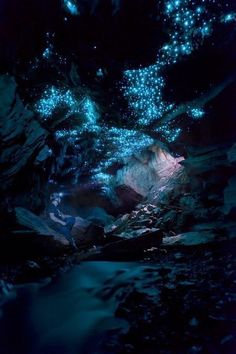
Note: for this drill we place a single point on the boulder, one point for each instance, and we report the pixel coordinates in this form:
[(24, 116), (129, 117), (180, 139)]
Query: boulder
[(84, 232), (148, 169)]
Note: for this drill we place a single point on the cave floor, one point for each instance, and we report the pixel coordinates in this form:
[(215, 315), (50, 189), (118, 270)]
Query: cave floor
[(178, 300)]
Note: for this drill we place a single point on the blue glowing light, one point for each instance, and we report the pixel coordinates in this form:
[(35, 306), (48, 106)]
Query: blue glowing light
[(55, 98), (229, 17), (102, 177), (66, 133), (90, 111), (99, 73), (71, 6), (188, 23), (120, 143), (169, 132), (47, 52), (196, 113)]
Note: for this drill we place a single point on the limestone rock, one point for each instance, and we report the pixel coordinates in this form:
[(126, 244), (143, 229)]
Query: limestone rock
[(147, 169)]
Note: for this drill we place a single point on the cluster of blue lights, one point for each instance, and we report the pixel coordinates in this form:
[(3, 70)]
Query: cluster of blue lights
[(71, 7), (196, 113), (62, 100), (102, 177), (169, 132), (47, 52), (187, 22), (64, 133), (126, 141), (91, 114), (144, 90), (54, 99), (120, 143)]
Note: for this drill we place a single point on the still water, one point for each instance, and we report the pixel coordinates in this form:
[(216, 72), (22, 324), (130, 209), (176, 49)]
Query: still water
[(70, 315)]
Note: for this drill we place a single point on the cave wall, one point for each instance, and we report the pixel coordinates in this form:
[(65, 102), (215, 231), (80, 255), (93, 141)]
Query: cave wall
[(23, 150), (148, 169)]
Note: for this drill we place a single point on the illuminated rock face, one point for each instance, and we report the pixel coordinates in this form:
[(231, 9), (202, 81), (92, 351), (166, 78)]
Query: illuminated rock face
[(147, 170)]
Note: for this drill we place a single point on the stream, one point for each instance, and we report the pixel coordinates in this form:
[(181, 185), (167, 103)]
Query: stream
[(72, 314)]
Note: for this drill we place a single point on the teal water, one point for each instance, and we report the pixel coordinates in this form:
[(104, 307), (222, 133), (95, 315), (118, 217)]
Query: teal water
[(73, 314)]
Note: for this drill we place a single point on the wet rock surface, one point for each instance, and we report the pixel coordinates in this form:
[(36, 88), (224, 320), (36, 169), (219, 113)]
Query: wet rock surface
[(186, 305)]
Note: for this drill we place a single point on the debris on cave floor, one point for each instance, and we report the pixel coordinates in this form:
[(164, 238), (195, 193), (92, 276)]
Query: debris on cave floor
[(187, 304)]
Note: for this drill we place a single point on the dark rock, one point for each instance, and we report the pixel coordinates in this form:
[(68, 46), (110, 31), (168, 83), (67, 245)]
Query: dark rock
[(206, 159), (128, 197), (188, 201), (119, 225), (191, 239), (133, 247), (32, 265), (96, 215), (230, 196), (232, 154), (169, 218), (22, 135)]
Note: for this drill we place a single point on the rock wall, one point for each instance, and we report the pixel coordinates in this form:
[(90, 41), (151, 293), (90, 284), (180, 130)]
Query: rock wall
[(195, 196), (148, 171), (23, 141)]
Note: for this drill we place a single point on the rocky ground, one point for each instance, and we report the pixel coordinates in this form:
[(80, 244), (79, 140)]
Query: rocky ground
[(183, 300), (187, 304)]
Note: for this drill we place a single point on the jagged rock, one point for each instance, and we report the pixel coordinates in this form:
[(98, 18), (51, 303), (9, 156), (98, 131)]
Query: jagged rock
[(131, 233), (7, 94), (118, 225), (147, 169), (205, 160), (22, 135), (169, 217), (43, 155), (193, 238)]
